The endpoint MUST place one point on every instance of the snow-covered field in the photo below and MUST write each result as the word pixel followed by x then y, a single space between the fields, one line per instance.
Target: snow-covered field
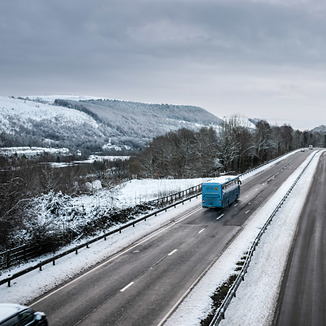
pixel 32 151
pixel 57 210
pixel 262 281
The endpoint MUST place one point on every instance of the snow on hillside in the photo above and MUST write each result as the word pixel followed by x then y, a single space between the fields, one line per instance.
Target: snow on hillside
pixel 23 110
pixel 89 122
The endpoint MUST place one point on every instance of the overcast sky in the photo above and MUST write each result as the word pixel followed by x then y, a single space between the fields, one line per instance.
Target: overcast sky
pixel 256 58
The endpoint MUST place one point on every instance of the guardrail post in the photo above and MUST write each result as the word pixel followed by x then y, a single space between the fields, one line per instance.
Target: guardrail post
pixel 8 258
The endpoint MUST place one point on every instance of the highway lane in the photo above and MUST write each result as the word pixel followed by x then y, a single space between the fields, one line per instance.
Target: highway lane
pixel 141 284
pixel 302 299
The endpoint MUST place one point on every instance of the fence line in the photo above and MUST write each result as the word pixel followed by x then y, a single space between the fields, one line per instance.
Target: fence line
pixel 16 255
pixel 23 253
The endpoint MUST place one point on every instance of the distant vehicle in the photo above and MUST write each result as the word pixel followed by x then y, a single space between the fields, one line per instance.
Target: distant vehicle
pixel 220 192
pixel 17 315
pixel 311 147
pixel 302 149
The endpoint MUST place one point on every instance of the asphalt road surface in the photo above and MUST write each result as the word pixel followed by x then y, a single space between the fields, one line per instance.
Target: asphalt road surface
pixel 302 300
pixel 141 284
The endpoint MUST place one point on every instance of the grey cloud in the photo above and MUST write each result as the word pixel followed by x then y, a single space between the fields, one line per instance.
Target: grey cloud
pixel 56 31
pixel 166 50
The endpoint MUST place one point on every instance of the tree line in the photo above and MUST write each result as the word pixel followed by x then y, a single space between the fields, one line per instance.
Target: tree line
pixel 22 179
pixel 234 146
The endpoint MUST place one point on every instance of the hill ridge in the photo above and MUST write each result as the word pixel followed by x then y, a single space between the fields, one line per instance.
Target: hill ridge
pixel 91 123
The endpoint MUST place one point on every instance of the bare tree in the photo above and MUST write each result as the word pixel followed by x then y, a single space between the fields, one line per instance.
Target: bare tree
pixel 263 140
pixel 228 144
pixel 207 162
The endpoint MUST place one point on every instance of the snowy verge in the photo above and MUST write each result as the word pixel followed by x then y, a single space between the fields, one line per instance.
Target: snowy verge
pixel 264 275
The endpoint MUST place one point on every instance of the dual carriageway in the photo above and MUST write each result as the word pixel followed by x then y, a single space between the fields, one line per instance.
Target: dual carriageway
pixel 145 282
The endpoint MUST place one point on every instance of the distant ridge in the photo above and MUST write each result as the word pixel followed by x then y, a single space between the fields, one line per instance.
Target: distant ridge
pixel 320 129
pixel 93 123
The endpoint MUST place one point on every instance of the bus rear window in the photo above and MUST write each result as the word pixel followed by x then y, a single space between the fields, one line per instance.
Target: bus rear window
pixel 211 188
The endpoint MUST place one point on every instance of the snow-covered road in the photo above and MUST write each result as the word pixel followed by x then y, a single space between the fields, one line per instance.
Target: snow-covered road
pixel 254 304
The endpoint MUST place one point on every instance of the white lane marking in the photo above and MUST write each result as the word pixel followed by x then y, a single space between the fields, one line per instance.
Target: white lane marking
pixel 186 293
pixel 235 205
pixel 247 211
pixel 154 234
pixel 219 217
pixel 127 286
pixel 201 231
pixel 172 252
